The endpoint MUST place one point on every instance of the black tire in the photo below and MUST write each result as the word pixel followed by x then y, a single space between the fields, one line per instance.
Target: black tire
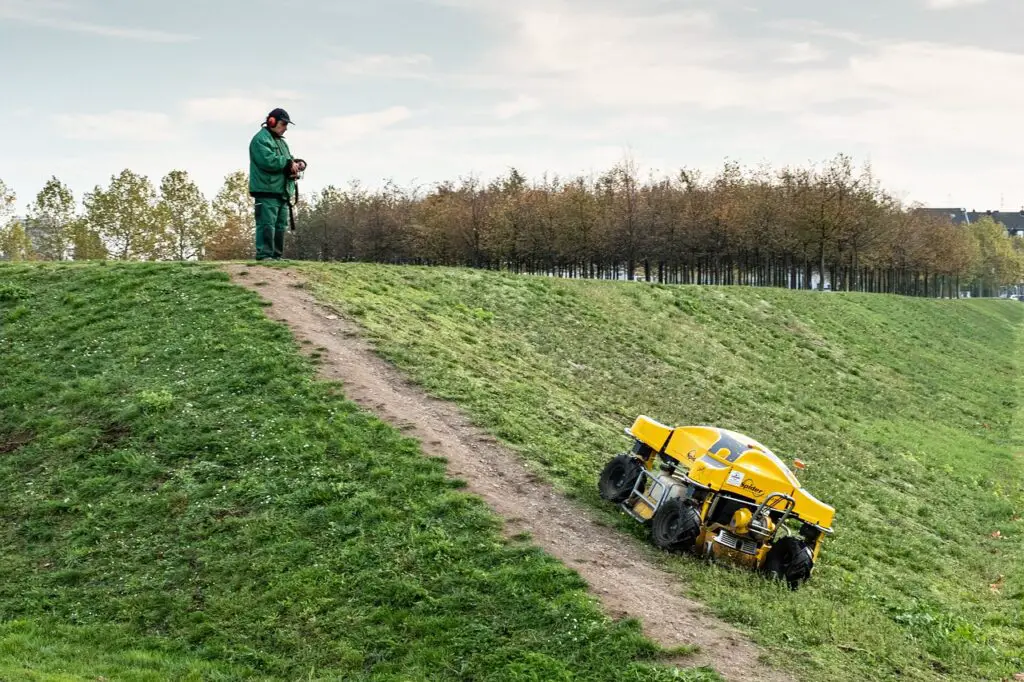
pixel 618 478
pixel 675 526
pixel 789 559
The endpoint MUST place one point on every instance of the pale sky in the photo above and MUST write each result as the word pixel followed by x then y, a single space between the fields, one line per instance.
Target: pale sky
pixel 420 91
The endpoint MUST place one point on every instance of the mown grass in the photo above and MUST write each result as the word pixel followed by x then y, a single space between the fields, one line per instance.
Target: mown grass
pixel 180 499
pixel 906 411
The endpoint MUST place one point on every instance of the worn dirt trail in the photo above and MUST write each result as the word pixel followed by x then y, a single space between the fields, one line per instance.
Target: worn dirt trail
pixel 626 583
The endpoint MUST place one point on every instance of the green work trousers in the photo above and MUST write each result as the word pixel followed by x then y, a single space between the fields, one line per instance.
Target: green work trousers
pixel 271 224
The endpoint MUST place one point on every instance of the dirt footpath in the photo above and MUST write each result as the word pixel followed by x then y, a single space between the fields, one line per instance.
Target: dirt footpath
pixel 627 584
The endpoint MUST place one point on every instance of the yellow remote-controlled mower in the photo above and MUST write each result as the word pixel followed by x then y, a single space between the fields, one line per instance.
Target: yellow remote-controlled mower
pixel 718 494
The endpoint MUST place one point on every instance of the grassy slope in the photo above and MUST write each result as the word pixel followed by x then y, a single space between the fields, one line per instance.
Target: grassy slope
pixel 181 500
pixel 903 409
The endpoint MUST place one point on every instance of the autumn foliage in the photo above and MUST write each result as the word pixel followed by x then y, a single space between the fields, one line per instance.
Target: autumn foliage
pixel 763 228
pixel 831 227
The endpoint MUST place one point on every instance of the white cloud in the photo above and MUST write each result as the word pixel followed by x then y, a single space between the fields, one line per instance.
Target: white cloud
pixel 354 125
pixel 600 59
pixel 936 75
pixel 143 35
pixel 238 108
pixel 819 30
pixel 608 59
pixel 923 103
pixel 567 87
pixel 382 66
pixel 520 105
pixel 334 131
pixel 949 4
pixel 60 16
pixel 681 75
pixel 117 125
pixel 226 109
pixel 126 125
pixel 802 53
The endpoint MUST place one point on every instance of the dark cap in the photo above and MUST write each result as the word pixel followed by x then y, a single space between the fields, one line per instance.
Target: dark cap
pixel 280 115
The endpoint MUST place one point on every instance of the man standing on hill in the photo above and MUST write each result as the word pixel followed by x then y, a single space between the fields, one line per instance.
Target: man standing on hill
pixel 272 175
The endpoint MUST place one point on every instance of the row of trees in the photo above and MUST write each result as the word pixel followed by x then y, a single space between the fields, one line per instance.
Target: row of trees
pixel 130 220
pixel 831 227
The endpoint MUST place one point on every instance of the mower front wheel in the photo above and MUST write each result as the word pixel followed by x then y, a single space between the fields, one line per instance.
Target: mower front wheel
pixel 675 526
pixel 618 478
pixel 789 559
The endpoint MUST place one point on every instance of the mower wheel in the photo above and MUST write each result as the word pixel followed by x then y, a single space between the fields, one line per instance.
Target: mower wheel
pixel 618 478
pixel 789 559
pixel 675 526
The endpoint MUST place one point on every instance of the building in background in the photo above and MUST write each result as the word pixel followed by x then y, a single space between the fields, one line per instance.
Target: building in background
pixel 1013 221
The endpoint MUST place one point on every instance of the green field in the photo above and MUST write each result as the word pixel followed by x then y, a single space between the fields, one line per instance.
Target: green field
pixel 181 500
pixel 906 411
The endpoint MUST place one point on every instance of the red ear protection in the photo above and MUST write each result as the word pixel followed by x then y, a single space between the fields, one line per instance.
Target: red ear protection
pixel 271 121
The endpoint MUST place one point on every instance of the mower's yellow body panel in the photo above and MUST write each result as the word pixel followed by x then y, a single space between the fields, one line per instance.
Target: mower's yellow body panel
pixel 731 462
pixel 684 445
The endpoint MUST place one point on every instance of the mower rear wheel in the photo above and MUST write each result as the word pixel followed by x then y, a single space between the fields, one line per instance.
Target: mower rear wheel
pixel 618 478
pixel 675 526
pixel 789 559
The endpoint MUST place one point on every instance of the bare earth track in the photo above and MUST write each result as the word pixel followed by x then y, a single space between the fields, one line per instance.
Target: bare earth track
pixel 627 584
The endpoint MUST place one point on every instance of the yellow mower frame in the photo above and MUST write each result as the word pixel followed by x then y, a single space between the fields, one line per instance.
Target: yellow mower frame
pixel 718 494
